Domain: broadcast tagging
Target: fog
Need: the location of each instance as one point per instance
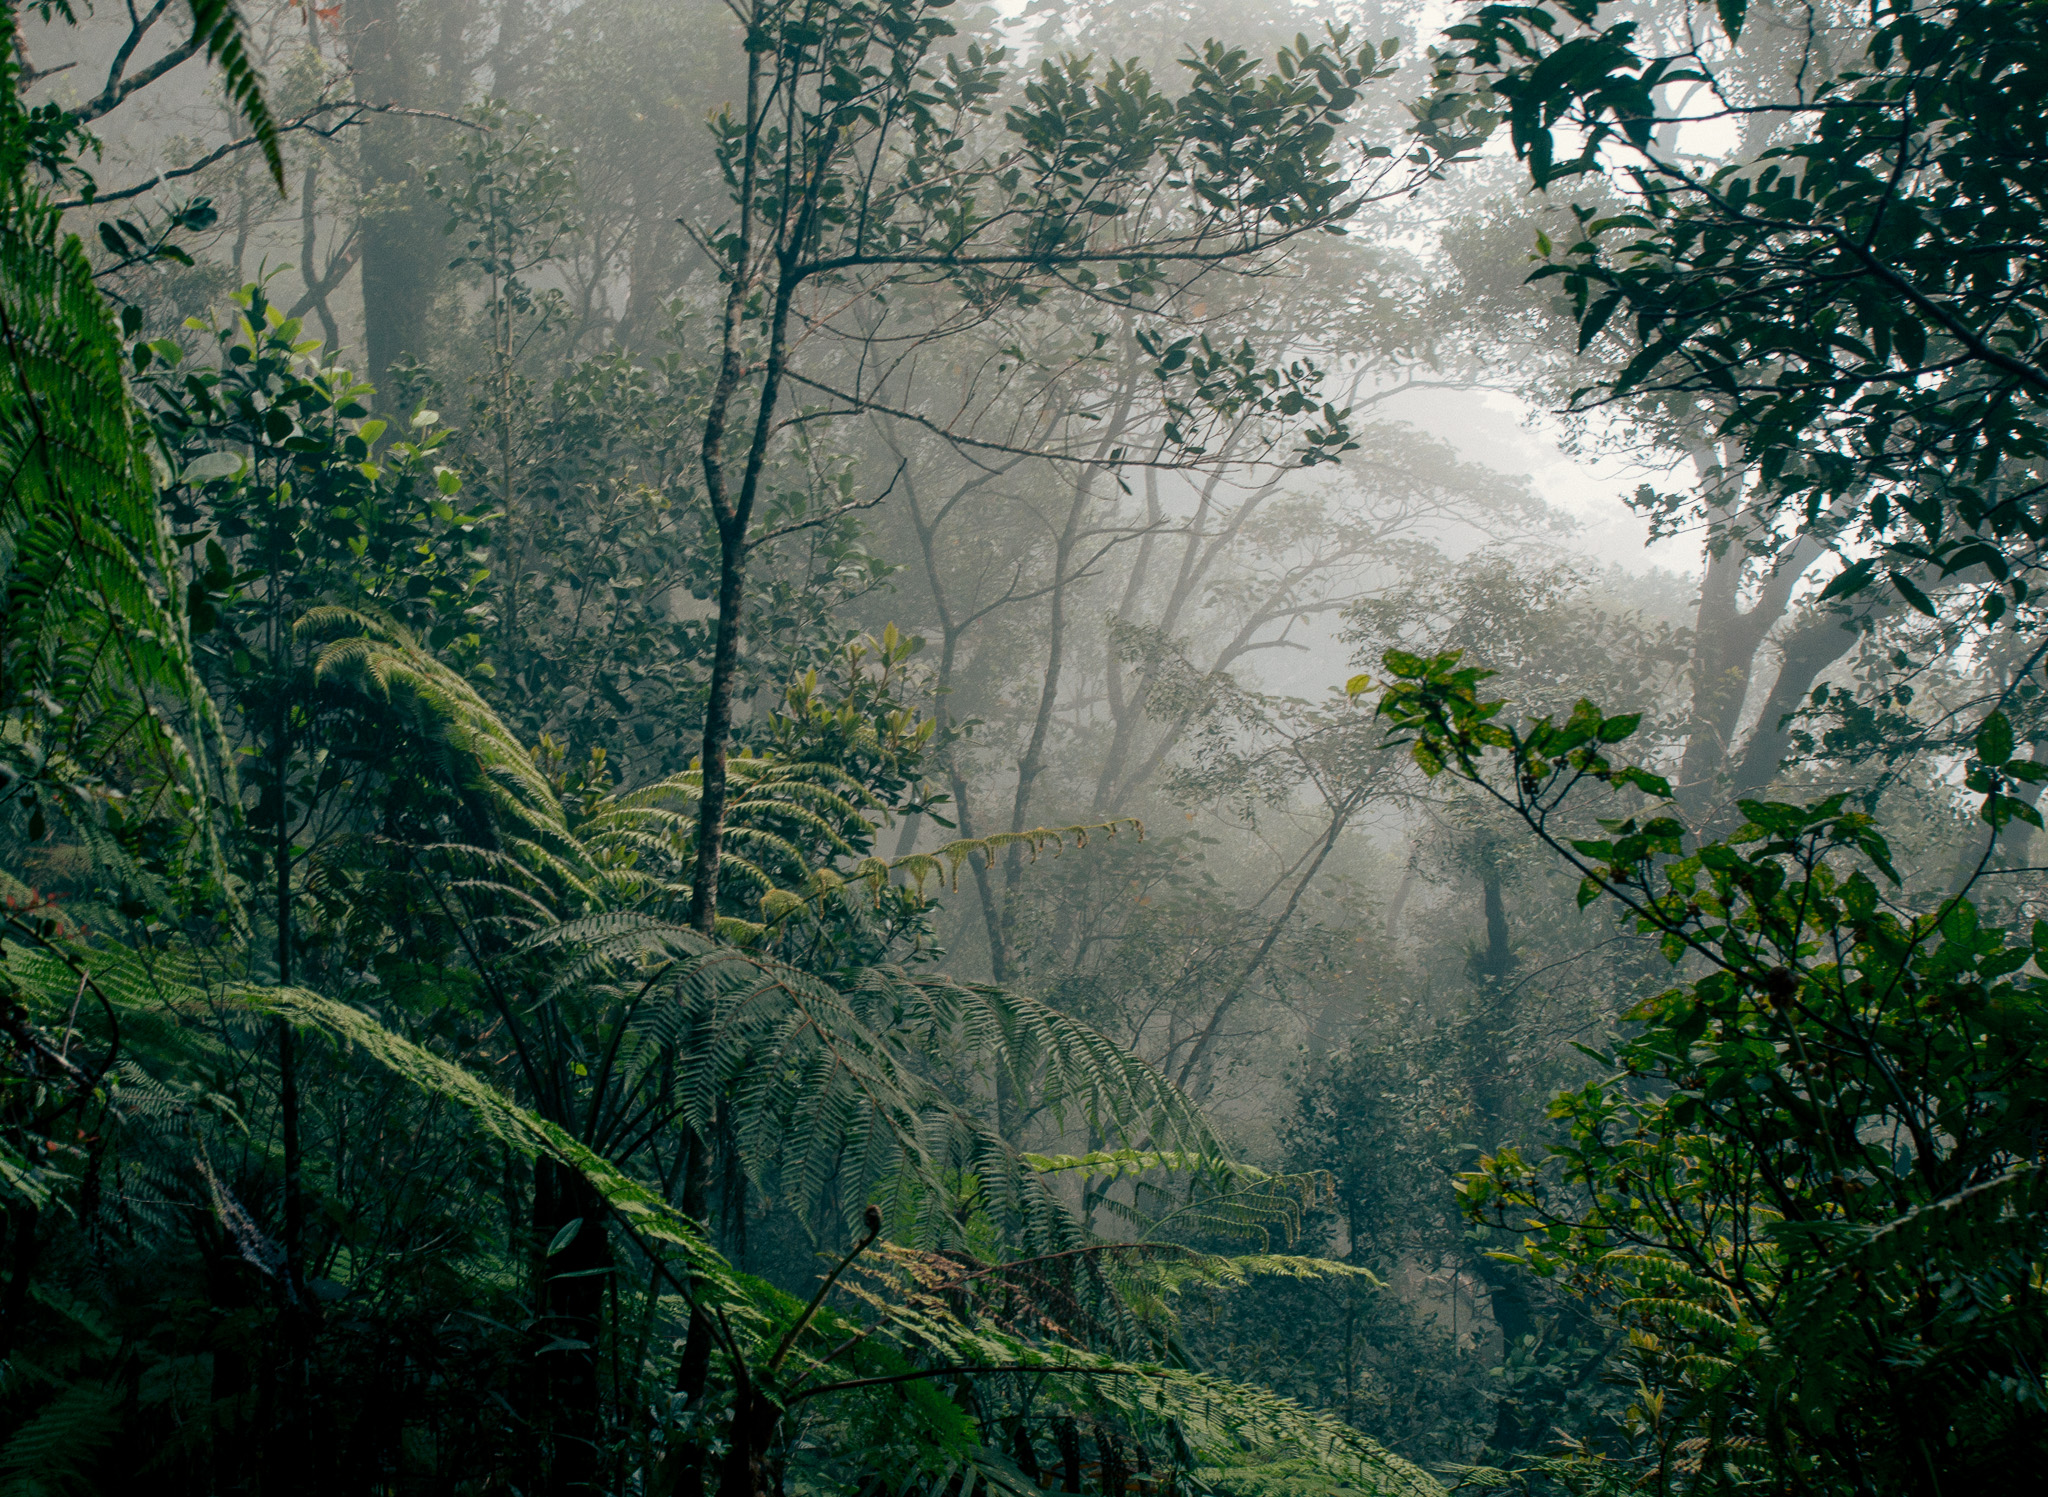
(1077, 522)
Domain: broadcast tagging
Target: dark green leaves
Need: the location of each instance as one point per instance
(1910, 591)
(1907, 393)
(1994, 740)
(1851, 580)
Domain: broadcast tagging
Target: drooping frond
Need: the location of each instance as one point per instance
(219, 28)
(91, 646)
(438, 708)
(948, 860)
(636, 1205)
(136, 989)
(1174, 1195)
(56, 1449)
(1117, 1297)
(1220, 1423)
(785, 821)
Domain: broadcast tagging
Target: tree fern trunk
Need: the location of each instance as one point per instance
(571, 1329)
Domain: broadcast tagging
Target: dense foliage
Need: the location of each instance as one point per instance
(658, 836)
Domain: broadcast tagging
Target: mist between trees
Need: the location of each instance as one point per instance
(755, 747)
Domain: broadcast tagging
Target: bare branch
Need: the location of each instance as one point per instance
(305, 122)
(1200, 463)
(119, 86)
(837, 512)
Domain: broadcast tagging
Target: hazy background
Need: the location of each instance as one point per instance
(1364, 974)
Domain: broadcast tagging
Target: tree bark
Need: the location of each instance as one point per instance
(1195, 1070)
(400, 269)
(572, 1288)
(1816, 643)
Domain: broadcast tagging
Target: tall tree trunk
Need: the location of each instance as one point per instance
(1031, 763)
(1497, 960)
(400, 268)
(680, 1472)
(1127, 710)
(1816, 643)
(953, 629)
(732, 506)
(1729, 637)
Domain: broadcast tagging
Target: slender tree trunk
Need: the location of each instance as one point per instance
(1127, 711)
(1032, 762)
(572, 1290)
(1498, 960)
(285, 1432)
(24, 1246)
(906, 841)
(506, 59)
(952, 630)
(287, 1060)
(309, 247)
(734, 510)
(681, 1470)
(1196, 1070)
(718, 730)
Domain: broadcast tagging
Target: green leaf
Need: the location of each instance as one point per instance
(1994, 740)
(212, 465)
(1912, 594)
(564, 1237)
(1645, 781)
(1851, 580)
(1596, 318)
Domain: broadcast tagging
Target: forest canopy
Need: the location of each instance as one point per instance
(842, 747)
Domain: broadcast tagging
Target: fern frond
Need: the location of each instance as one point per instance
(635, 1204)
(55, 1449)
(92, 641)
(218, 26)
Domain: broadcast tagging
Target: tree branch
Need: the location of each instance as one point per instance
(304, 122)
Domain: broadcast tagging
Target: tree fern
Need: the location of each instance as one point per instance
(825, 1082)
(1216, 1418)
(637, 1205)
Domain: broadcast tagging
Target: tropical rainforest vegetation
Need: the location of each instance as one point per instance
(752, 747)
